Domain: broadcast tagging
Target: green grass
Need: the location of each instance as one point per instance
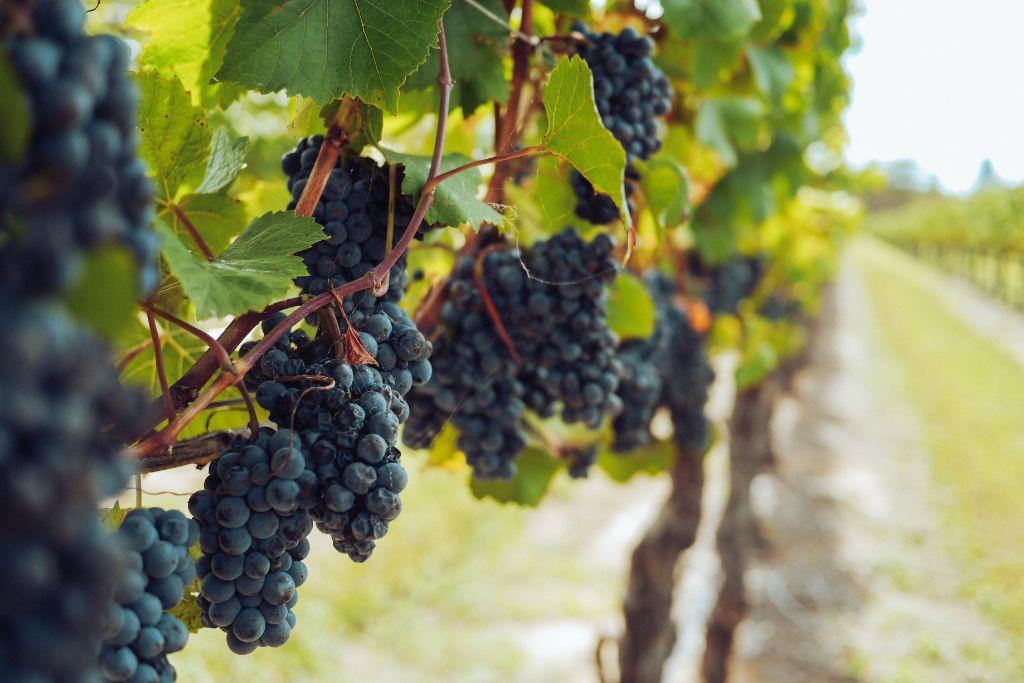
(438, 600)
(969, 395)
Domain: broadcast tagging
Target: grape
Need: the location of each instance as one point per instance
(61, 430)
(155, 540)
(731, 282)
(629, 90)
(80, 183)
(237, 579)
(354, 212)
(551, 298)
(669, 369)
(631, 94)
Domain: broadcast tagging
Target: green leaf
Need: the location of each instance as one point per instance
(255, 270)
(631, 311)
(455, 200)
(14, 112)
(535, 471)
(711, 19)
(555, 195)
(576, 8)
(772, 70)
(175, 137)
(729, 124)
(652, 459)
(227, 158)
(187, 611)
(326, 48)
(476, 50)
(112, 517)
(712, 62)
(104, 295)
(666, 188)
(575, 132)
(187, 38)
(215, 217)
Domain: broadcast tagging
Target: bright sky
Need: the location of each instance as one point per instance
(940, 82)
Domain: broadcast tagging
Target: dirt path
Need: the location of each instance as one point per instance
(853, 582)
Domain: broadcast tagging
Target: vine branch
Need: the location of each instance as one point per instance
(334, 140)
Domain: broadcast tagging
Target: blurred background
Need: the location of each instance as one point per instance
(893, 524)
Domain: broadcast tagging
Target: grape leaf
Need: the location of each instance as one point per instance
(253, 271)
(576, 8)
(112, 517)
(455, 200)
(216, 218)
(652, 459)
(187, 611)
(666, 188)
(535, 470)
(227, 158)
(555, 195)
(175, 137)
(105, 293)
(187, 38)
(729, 124)
(711, 19)
(631, 312)
(476, 50)
(326, 48)
(772, 70)
(575, 132)
(14, 112)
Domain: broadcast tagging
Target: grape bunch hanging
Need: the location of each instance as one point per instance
(631, 94)
(79, 184)
(75, 186)
(558, 354)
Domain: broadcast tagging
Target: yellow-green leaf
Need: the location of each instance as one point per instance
(575, 132)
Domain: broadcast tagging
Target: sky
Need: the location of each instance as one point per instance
(940, 82)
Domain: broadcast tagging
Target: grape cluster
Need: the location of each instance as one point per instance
(474, 385)
(779, 306)
(80, 183)
(60, 410)
(670, 368)
(551, 299)
(253, 515)
(688, 376)
(138, 631)
(631, 93)
(354, 213)
(348, 416)
(731, 282)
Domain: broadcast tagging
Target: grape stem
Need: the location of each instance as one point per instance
(191, 229)
(223, 357)
(161, 372)
(330, 323)
(492, 311)
(254, 421)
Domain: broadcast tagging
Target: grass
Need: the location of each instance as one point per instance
(969, 393)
